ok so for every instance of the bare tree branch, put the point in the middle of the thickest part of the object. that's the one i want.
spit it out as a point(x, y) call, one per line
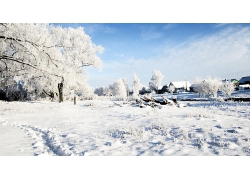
point(16, 60)
point(28, 64)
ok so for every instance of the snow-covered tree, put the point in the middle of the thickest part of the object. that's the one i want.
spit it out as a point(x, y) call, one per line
point(43, 55)
point(227, 88)
point(118, 89)
point(201, 87)
point(208, 86)
point(125, 82)
point(171, 89)
point(156, 80)
point(214, 85)
point(103, 91)
point(99, 91)
point(107, 91)
point(136, 85)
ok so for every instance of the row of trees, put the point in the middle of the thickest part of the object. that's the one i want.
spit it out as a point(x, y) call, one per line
point(120, 87)
point(204, 86)
point(210, 86)
point(35, 58)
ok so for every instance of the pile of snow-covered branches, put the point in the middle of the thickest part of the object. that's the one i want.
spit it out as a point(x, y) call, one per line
point(158, 102)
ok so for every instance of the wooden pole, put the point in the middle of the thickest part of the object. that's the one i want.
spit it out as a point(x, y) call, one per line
point(74, 100)
point(186, 84)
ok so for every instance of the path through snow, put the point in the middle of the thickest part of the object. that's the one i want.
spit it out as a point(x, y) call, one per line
point(44, 141)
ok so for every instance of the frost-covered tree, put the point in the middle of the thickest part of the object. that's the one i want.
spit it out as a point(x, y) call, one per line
point(136, 85)
point(171, 89)
point(125, 82)
point(214, 85)
point(99, 91)
point(107, 91)
point(43, 55)
point(156, 80)
point(118, 89)
point(208, 86)
point(201, 87)
point(227, 88)
point(103, 91)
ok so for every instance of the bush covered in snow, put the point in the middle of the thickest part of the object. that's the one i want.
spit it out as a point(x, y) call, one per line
point(207, 86)
point(227, 88)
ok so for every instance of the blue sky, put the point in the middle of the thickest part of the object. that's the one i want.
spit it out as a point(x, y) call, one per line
point(179, 50)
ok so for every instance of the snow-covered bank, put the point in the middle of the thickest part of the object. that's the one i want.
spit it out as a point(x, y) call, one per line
point(100, 128)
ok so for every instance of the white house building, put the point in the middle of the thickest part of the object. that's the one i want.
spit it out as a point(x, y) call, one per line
point(181, 85)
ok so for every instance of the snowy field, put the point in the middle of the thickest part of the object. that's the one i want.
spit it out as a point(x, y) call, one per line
point(111, 136)
point(102, 128)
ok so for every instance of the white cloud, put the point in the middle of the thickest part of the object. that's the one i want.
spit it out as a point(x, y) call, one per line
point(220, 55)
point(150, 33)
point(120, 55)
point(93, 28)
point(107, 29)
point(219, 25)
point(169, 26)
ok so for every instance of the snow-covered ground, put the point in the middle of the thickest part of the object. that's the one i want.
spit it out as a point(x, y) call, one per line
point(102, 128)
point(211, 131)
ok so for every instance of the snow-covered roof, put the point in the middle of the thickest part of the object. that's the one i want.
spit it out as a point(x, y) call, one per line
point(244, 85)
point(146, 87)
point(244, 80)
point(180, 84)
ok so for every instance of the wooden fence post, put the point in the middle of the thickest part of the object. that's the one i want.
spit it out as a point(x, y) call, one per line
point(74, 100)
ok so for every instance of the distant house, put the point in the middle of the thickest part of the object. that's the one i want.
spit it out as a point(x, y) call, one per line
point(181, 85)
point(235, 81)
point(244, 83)
point(244, 80)
point(160, 87)
point(162, 90)
point(243, 86)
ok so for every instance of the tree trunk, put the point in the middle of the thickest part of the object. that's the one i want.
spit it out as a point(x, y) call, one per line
point(60, 89)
